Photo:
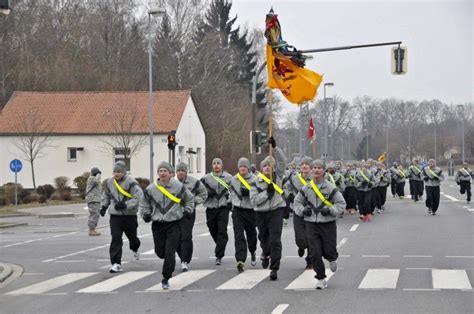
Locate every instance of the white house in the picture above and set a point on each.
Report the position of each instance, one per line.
(88, 129)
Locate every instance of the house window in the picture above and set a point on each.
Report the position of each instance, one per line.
(180, 154)
(190, 163)
(71, 154)
(198, 159)
(123, 154)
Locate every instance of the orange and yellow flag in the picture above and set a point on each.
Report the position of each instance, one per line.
(381, 157)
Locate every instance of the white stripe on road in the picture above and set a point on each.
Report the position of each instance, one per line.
(150, 252)
(40, 239)
(451, 198)
(343, 241)
(470, 209)
(184, 279)
(450, 279)
(246, 280)
(280, 308)
(71, 261)
(51, 284)
(306, 280)
(354, 227)
(417, 256)
(115, 283)
(380, 279)
(453, 256)
(375, 255)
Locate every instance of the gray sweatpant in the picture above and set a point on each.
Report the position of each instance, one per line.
(94, 209)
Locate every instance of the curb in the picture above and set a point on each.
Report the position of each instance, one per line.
(13, 224)
(16, 215)
(56, 215)
(7, 271)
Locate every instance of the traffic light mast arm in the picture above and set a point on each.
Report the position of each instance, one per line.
(350, 47)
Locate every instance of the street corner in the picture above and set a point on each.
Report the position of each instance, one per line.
(9, 272)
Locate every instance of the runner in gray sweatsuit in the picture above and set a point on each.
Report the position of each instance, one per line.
(432, 176)
(166, 212)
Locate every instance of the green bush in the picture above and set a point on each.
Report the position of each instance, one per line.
(63, 191)
(32, 198)
(45, 190)
(81, 183)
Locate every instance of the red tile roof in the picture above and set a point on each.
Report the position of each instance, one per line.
(91, 112)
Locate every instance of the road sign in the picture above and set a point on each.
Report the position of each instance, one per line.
(16, 165)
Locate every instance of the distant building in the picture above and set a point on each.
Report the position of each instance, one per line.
(90, 129)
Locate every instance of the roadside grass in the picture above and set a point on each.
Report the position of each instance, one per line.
(12, 209)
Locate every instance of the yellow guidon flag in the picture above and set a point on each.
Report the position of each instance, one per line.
(382, 157)
(285, 66)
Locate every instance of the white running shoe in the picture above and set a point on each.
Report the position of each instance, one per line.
(116, 268)
(322, 284)
(136, 255)
(333, 266)
(184, 266)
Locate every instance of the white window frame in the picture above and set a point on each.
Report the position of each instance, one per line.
(69, 150)
(198, 159)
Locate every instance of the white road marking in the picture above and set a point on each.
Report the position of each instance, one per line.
(150, 252)
(117, 282)
(71, 261)
(416, 256)
(354, 227)
(450, 279)
(51, 284)
(306, 280)
(380, 279)
(375, 255)
(184, 279)
(453, 256)
(470, 209)
(280, 308)
(343, 241)
(420, 289)
(451, 198)
(246, 280)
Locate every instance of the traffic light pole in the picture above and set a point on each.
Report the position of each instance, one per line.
(350, 47)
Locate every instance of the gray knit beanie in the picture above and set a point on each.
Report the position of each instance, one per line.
(120, 166)
(267, 161)
(319, 163)
(306, 160)
(243, 162)
(331, 165)
(182, 167)
(166, 165)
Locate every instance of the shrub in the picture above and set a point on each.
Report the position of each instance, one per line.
(9, 192)
(66, 196)
(45, 190)
(42, 199)
(81, 183)
(31, 198)
(63, 191)
(143, 182)
(3, 200)
(23, 196)
(61, 184)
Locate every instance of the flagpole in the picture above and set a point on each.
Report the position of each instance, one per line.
(270, 129)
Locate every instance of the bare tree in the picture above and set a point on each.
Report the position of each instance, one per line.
(34, 138)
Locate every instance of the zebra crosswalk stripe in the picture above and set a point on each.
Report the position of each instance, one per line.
(117, 282)
(150, 252)
(51, 284)
(246, 280)
(184, 279)
(380, 279)
(450, 279)
(306, 280)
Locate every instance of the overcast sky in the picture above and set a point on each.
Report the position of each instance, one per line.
(438, 34)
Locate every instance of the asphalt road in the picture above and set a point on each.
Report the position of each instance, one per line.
(404, 261)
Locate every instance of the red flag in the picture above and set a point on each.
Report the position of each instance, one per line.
(310, 133)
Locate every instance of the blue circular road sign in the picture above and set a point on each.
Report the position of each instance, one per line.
(16, 165)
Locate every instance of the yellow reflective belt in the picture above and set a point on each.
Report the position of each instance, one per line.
(303, 181)
(220, 181)
(267, 180)
(417, 169)
(332, 178)
(243, 181)
(365, 177)
(434, 174)
(121, 190)
(402, 173)
(320, 195)
(466, 172)
(175, 199)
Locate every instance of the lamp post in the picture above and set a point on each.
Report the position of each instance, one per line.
(367, 134)
(386, 141)
(435, 148)
(325, 119)
(461, 113)
(151, 12)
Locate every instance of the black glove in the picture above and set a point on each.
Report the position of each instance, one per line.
(103, 210)
(291, 198)
(426, 179)
(244, 192)
(271, 141)
(146, 217)
(457, 183)
(436, 178)
(120, 205)
(370, 185)
(211, 193)
(325, 211)
(307, 211)
(186, 214)
(229, 206)
(270, 190)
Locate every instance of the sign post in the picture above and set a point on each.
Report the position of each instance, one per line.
(16, 166)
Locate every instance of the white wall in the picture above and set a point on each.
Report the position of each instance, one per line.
(55, 164)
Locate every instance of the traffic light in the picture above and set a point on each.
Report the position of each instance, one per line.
(399, 60)
(257, 139)
(4, 7)
(172, 140)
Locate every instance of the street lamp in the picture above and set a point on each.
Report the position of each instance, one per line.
(151, 12)
(461, 113)
(367, 133)
(326, 119)
(434, 121)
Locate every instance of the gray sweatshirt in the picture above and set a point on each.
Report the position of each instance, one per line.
(294, 184)
(217, 194)
(430, 179)
(163, 209)
(236, 196)
(197, 189)
(307, 195)
(414, 173)
(336, 179)
(463, 174)
(111, 196)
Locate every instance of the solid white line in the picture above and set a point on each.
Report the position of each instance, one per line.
(354, 227)
(450, 279)
(421, 289)
(459, 256)
(115, 283)
(306, 280)
(51, 284)
(246, 280)
(343, 241)
(75, 253)
(380, 279)
(184, 279)
(417, 256)
(470, 209)
(71, 261)
(451, 198)
(375, 255)
(150, 252)
(280, 308)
